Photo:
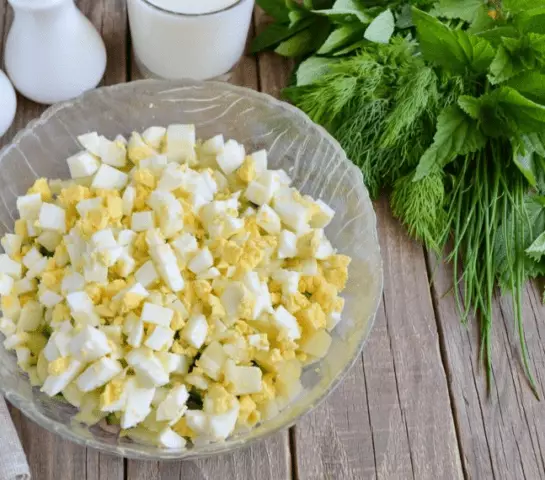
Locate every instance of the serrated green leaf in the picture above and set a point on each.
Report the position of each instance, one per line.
(306, 41)
(470, 105)
(525, 162)
(530, 84)
(380, 30)
(528, 116)
(501, 68)
(531, 21)
(457, 134)
(459, 9)
(341, 36)
(517, 55)
(404, 18)
(505, 112)
(497, 34)
(312, 69)
(345, 11)
(517, 6)
(535, 142)
(483, 21)
(275, 8)
(454, 50)
(537, 249)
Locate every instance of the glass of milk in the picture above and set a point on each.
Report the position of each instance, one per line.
(196, 39)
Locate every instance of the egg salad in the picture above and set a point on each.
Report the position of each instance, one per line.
(173, 287)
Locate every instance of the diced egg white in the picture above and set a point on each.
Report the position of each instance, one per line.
(109, 178)
(98, 374)
(161, 285)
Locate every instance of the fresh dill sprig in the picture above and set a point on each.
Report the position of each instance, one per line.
(449, 117)
(421, 207)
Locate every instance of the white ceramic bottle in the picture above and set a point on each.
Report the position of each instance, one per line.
(8, 103)
(53, 52)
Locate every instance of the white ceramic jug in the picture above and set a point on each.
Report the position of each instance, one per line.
(8, 103)
(53, 52)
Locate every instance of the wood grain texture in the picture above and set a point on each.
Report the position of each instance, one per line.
(274, 70)
(50, 457)
(390, 418)
(267, 460)
(418, 370)
(502, 433)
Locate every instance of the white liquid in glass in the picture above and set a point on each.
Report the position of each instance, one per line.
(197, 39)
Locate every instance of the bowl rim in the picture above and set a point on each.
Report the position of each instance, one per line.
(126, 451)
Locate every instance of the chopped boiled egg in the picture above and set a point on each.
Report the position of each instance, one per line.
(196, 275)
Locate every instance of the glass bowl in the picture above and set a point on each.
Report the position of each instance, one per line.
(314, 160)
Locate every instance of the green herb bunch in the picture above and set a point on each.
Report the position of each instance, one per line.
(444, 108)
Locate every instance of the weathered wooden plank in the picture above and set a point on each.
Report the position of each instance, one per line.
(274, 70)
(49, 456)
(502, 433)
(110, 18)
(419, 373)
(390, 442)
(267, 460)
(104, 467)
(336, 441)
(404, 428)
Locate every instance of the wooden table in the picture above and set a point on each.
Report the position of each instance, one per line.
(414, 406)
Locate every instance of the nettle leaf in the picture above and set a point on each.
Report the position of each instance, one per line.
(502, 67)
(312, 69)
(496, 35)
(305, 41)
(537, 249)
(535, 142)
(404, 18)
(530, 84)
(342, 36)
(483, 21)
(345, 11)
(516, 55)
(457, 134)
(517, 6)
(275, 8)
(466, 10)
(525, 161)
(381, 29)
(531, 20)
(504, 112)
(454, 50)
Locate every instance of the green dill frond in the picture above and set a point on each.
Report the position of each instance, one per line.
(324, 100)
(416, 94)
(420, 206)
(357, 134)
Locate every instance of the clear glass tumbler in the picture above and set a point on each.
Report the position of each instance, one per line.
(172, 45)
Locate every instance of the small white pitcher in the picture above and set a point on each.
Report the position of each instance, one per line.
(53, 52)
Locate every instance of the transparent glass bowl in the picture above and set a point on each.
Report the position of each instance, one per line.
(314, 160)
